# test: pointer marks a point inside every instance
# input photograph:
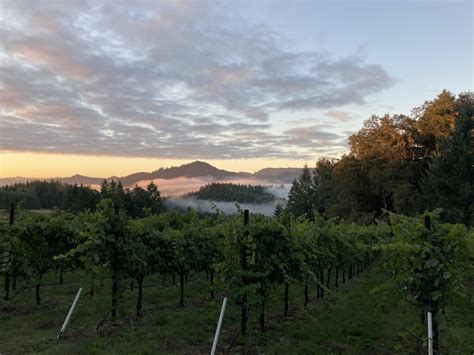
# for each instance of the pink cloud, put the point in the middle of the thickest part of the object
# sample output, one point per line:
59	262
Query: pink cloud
58	62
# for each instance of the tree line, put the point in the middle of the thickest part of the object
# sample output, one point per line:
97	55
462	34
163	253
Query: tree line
47	195
137	201
404	164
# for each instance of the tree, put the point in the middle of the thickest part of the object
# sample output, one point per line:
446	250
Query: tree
156	201
436	119
278	211
449	182
77	198
356	199
302	196
49	194
325	182
233	193
114	191
388	138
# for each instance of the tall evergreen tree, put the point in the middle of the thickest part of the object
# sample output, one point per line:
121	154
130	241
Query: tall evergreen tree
301	199
325	194
156	201
113	190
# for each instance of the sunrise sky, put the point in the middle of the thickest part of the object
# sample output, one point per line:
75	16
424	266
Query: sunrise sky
104	88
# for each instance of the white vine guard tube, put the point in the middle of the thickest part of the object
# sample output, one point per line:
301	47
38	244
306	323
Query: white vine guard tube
68	317
219	325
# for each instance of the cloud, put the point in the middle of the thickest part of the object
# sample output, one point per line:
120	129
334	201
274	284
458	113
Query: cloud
314	137
342	116
176	79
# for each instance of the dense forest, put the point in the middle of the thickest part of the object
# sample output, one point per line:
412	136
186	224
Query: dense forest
49	194
404	164
229	192
138	202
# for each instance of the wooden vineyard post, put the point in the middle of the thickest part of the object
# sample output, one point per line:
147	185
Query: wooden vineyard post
427	222
181	289
287	288
140	298
433	338
262	308
306	294
7	274
243	261
211	278
12	214
114	270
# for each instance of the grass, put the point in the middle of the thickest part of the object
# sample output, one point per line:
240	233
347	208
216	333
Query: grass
350	320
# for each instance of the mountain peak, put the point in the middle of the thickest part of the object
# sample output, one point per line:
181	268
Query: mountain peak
199	163
194	169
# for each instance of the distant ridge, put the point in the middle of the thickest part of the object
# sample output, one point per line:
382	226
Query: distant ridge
81	179
280	174
192	170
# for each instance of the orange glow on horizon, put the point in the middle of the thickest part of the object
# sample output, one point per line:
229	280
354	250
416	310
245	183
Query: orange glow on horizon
44	165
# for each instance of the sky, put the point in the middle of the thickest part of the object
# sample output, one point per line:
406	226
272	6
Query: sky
104	88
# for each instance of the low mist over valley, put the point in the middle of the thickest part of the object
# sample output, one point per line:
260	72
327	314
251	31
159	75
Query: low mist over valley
208	206
175	183
178	180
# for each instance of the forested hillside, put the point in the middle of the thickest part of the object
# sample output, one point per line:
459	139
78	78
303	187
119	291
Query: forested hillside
233	193
399	163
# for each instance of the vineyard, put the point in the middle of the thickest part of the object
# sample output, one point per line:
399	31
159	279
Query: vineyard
236	177
161	279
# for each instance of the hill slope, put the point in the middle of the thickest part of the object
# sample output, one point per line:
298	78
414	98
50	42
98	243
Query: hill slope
278	174
194	169
233	193
191	170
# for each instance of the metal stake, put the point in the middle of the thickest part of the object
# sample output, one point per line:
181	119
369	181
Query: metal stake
68	317
219	325
430	334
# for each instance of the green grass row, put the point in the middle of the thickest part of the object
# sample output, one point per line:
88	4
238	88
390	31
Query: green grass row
350	320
